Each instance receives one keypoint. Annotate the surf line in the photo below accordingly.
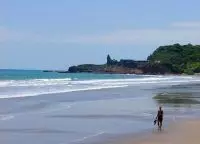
(87, 137)
(66, 107)
(6, 117)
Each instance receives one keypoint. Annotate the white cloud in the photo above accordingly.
(9, 35)
(176, 33)
(4, 34)
(191, 24)
(143, 37)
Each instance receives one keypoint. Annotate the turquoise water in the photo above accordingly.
(39, 74)
(22, 83)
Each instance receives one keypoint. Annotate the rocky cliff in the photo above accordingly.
(170, 59)
(121, 67)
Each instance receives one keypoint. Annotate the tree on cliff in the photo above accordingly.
(178, 58)
(109, 60)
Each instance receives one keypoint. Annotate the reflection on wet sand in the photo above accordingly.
(177, 99)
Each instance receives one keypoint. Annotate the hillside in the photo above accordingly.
(178, 58)
(169, 59)
(124, 66)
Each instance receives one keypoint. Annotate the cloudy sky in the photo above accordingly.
(44, 34)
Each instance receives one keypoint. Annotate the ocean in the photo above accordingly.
(63, 108)
(19, 83)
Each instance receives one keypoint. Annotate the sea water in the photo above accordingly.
(54, 108)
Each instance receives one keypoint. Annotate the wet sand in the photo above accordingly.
(186, 132)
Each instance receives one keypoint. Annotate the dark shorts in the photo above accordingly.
(160, 119)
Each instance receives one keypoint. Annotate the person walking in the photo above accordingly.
(159, 118)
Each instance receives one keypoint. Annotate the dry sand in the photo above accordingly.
(184, 133)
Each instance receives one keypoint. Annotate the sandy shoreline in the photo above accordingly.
(186, 132)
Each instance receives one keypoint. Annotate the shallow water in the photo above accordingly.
(87, 116)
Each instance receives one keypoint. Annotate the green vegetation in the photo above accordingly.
(170, 59)
(86, 68)
(111, 61)
(178, 58)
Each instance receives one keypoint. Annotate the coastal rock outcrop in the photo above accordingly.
(120, 67)
(170, 59)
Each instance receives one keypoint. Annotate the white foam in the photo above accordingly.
(87, 137)
(122, 80)
(23, 88)
(6, 117)
(59, 107)
(33, 82)
(59, 91)
(146, 114)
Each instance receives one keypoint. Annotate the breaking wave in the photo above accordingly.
(34, 87)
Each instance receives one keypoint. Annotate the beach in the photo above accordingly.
(186, 132)
(92, 109)
(98, 71)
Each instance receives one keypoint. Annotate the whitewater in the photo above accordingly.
(35, 86)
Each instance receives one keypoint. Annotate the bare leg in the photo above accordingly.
(158, 124)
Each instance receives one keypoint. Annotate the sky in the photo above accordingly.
(49, 34)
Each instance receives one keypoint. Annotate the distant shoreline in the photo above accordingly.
(171, 59)
(168, 74)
